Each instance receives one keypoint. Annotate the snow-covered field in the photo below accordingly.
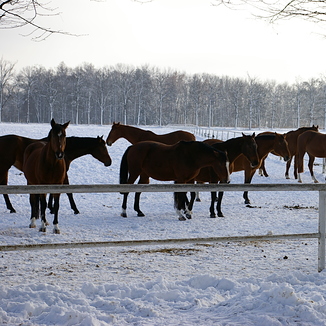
(250, 283)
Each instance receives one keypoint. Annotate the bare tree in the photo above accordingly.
(314, 11)
(6, 75)
(21, 13)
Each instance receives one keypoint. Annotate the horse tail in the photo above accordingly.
(124, 168)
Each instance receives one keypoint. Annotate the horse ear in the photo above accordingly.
(254, 135)
(66, 124)
(52, 123)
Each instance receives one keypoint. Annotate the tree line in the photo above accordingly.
(151, 96)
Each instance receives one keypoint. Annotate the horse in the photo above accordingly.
(12, 148)
(234, 147)
(77, 147)
(180, 162)
(135, 135)
(314, 144)
(266, 143)
(291, 138)
(44, 164)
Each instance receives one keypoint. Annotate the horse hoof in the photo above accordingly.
(188, 216)
(13, 211)
(76, 212)
(141, 214)
(247, 202)
(198, 199)
(42, 229)
(32, 226)
(213, 215)
(220, 215)
(56, 231)
(123, 214)
(287, 177)
(182, 218)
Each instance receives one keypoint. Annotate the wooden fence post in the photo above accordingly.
(321, 231)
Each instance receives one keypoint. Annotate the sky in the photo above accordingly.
(191, 36)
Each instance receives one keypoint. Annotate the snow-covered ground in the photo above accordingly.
(235, 283)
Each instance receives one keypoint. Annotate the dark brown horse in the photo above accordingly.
(135, 135)
(314, 144)
(44, 164)
(12, 148)
(291, 138)
(234, 147)
(180, 162)
(265, 144)
(77, 147)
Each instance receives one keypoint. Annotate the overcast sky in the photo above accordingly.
(187, 35)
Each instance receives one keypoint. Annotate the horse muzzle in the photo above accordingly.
(254, 164)
(108, 163)
(59, 155)
(109, 143)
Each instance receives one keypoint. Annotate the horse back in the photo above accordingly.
(12, 148)
(312, 142)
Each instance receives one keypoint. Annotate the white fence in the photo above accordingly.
(106, 188)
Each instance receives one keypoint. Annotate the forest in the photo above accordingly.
(150, 96)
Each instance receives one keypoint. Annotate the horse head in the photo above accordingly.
(57, 138)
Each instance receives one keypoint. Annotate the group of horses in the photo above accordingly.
(175, 156)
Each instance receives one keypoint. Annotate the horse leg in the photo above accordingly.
(34, 202)
(136, 204)
(180, 199)
(43, 209)
(73, 204)
(212, 207)
(5, 196)
(288, 165)
(56, 229)
(8, 203)
(50, 204)
(70, 197)
(124, 204)
(262, 169)
(193, 197)
(219, 204)
(311, 168)
(248, 179)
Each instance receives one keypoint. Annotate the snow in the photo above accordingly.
(266, 283)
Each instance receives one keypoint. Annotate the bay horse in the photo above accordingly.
(135, 135)
(266, 143)
(314, 144)
(12, 148)
(44, 164)
(291, 138)
(75, 148)
(180, 162)
(234, 147)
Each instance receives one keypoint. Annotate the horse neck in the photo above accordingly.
(135, 135)
(77, 147)
(265, 144)
(233, 147)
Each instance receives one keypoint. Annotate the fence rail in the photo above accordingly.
(107, 188)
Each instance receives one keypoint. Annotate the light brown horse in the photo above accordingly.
(291, 138)
(314, 144)
(180, 162)
(44, 164)
(135, 135)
